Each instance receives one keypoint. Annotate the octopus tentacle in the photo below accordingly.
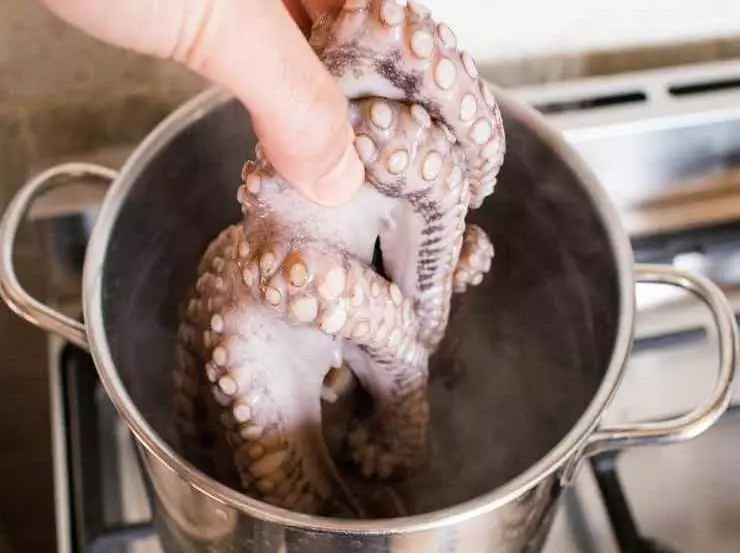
(196, 410)
(393, 440)
(287, 300)
(394, 49)
(475, 259)
(408, 157)
(191, 412)
(268, 400)
(343, 297)
(337, 382)
(276, 437)
(299, 288)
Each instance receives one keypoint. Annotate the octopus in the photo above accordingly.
(292, 301)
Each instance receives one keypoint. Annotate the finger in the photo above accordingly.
(256, 50)
(299, 112)
(299, 14)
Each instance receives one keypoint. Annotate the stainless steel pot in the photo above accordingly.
(531, 360)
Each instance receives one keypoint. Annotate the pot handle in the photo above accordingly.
(690, 425)
(22, 303)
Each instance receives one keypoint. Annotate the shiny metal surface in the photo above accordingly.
(703, 416)
(692, 424)
(11, 290)
(664, 143)
(553, 225)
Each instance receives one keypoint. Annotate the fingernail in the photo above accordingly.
(341, 184)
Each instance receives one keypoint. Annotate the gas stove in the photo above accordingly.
(666, 145)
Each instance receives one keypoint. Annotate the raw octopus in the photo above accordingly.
(288, 299)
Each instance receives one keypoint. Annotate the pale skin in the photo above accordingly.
(256, 49)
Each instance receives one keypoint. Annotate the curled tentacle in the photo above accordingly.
(244, 284)
(196, 411)
(393, 441)
(287, 302)
(410, 158)
(475, 259)
(394, 49)
(309, 286)
(267, 398)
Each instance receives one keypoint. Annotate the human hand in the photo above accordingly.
(258, 51)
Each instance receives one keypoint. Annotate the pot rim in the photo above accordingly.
(568, 449)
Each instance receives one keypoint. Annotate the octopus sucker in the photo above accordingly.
(287, 308)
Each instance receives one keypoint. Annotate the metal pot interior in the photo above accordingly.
(525, 352)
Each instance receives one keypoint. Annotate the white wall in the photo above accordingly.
(504, 29)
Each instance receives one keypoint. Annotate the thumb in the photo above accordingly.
(256, 50)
